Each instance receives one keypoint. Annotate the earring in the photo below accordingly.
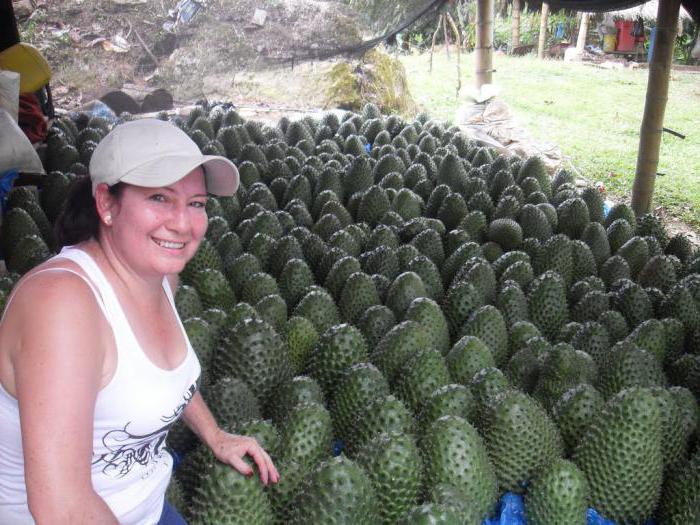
(108, 220)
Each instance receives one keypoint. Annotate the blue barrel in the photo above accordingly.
(652, 39)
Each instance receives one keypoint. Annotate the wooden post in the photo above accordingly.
(515, 25)
(543, 30)
(484, 42)
(655, 106)
(582, 33)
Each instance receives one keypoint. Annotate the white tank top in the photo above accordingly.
(130, 465)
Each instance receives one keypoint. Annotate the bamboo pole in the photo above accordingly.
(484, 42)
(515, 25)
(655, 106)
(543, 30)
(582, 33)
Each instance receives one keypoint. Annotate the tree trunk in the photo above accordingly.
(543, 30)
(582, 33)
(655, 106)
(515, 25)
(484, 42)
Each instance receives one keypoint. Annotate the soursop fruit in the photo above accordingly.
(337, 491)
(224, 496)
(558, 495)
(621, 457)
(521, 439)
(393, 464)
(454, 453)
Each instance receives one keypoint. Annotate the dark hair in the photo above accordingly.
(78, 220)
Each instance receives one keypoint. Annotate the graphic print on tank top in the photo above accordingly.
(127, 450)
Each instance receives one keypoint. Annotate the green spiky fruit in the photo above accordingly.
(405, 288)
(319, 308)
(213, 289)
(460, 301)
(206, 257)
(454, 453)
(487, 324)
(29, 252)
(427, 312)
(298, 390)
(359, 385)
(452, 399)
(420, 376)
(520, 438)
(337, 491)
(359, 294)
(383, 414)
(547, 304)
(286, 490)
(689, 409)
(254, 352)
(680, 500)
(506, 232)
(399, 344)
(17, 224)
(621, 457)
(306, 435)
(432, 514)
(558, 495)
(224, 496)
(294, 279)
(575, 411)
(301, 339)
(393, 464)
(429, 273)
(263, 431)
(573, 217)
(451, 499)
(338, 347)
(629, 366)
(429, 243)
(232, 402)
(563, 368)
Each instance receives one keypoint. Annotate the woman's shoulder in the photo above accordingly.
(56, 280)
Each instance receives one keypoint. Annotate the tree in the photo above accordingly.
(515, 25)
(543, 30)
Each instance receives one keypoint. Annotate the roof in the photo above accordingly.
(647, 11)
(692, 7)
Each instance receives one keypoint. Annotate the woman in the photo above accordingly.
(94, 363)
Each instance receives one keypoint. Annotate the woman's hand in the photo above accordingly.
(230, 449)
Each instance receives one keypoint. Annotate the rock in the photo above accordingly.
(158, 100)
(118, 101)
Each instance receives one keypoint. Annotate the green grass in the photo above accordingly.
(593, 114)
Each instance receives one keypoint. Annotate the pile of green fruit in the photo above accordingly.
(460, 323)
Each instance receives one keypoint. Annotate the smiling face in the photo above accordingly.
(155, 231)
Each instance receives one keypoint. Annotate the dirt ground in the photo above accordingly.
(232, 49)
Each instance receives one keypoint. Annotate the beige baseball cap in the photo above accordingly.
(153, 153)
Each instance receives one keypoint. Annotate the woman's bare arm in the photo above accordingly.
(58, 366)
(228, 448)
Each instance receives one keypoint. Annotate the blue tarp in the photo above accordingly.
(511, 511)
(6, 181)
